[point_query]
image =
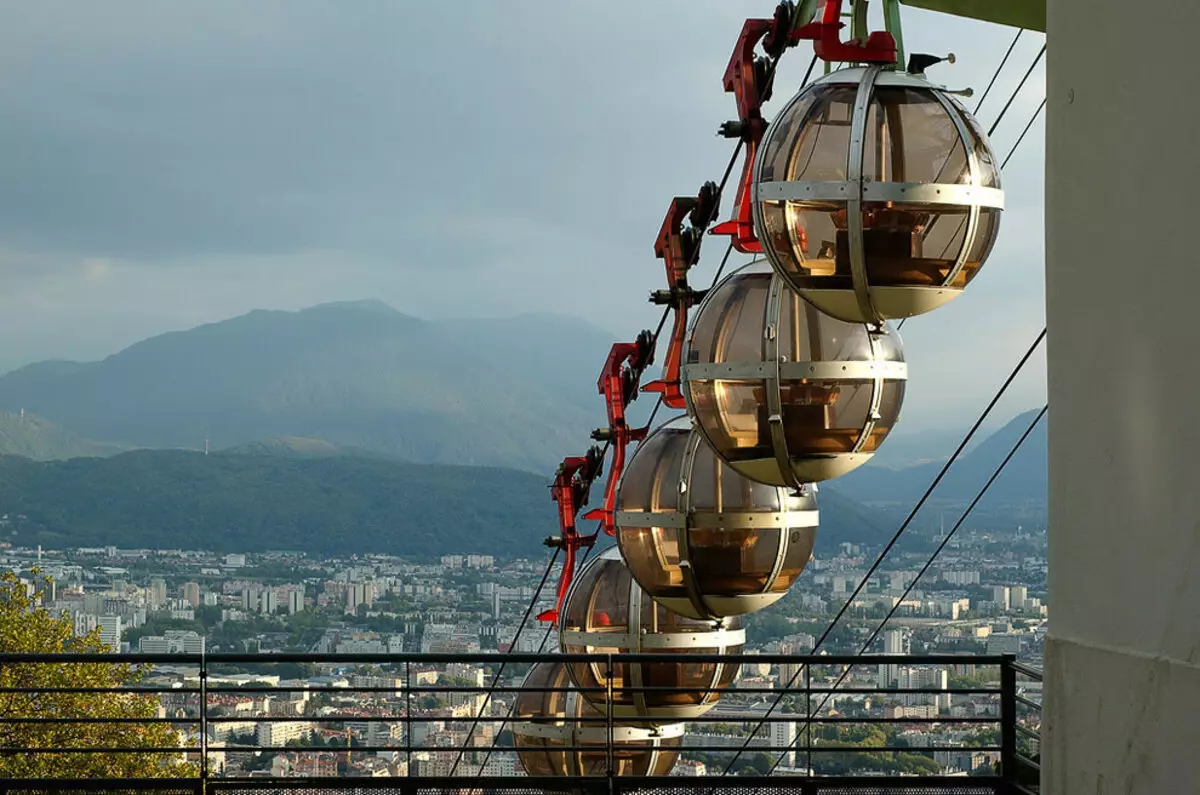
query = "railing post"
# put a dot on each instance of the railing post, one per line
(203, 721)
(1008, 722)
(408, 738)
(808, 716)
(608, 713)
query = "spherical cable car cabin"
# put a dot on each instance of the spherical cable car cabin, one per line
(782, 392)
(546, 729)
(877, 195)
(606, 611)
(703, 540)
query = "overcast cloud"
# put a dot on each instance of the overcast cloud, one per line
(164, 165)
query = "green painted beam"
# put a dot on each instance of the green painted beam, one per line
(1028, 14)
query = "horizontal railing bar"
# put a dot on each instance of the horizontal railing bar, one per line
(1031, 704)
(401, 692)
(88, 719)
(1027, 762)
(210, 660)
(1029, 733)
(816, 749)
(525, 783)
(1027, 670)
(552, 719)
(135, 690)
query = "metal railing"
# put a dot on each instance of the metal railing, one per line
(289, 722)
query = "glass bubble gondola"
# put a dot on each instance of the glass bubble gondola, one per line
(543, 743)
(782, 392)
(606, 611)
(877, 195)
(703, 540)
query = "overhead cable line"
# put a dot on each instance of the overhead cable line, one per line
(999, 69)
(875, 635)
(513, 707)
(904, 526)
(694, 258)
(895, 538)
(1021, 137)
(496, 679)
(1000, 118)
(1037, 59)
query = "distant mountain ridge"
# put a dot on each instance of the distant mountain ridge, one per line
(1023, 480)
(518, 392)
(31, 436)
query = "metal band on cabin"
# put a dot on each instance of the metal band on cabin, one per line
(854, 219)
(965, 138)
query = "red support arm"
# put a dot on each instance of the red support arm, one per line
(678, 248)
(570, 488)
(880, 46)
(746, 77)
(619, 384)
(749, 78)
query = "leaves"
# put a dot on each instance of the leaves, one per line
(25, 627)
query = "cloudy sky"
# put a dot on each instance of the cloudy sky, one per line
(165, 165)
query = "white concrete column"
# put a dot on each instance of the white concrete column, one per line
(1122, 691)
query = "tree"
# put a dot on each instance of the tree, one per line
(25, 627)
(762, 764)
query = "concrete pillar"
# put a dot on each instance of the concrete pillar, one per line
(1122, 711)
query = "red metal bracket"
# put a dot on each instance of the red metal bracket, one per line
(619, 384)
(679, 248)
(880, 46)
(570, 488)
(749, 78)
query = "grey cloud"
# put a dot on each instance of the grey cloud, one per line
(451, 159)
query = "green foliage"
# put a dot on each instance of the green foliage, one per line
(26, 627)
(328, 506)
(766, 626)
(982, 678)
(156, 624)
(331, 506)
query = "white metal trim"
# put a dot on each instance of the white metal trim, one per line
(712, 520)
(719, 638)
(854, 219)
(787, 371)
(931, 193)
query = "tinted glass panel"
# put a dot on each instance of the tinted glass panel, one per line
(729, 328)
(911, 138)
(811, 141)
(733, 415)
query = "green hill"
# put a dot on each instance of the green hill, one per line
(334, 505)
(33, 437)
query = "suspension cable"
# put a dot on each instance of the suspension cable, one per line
(513, 707)
(997, 121)
(658, 404)
(1021, 137)
(999, 69)
(496, 679)
(1017, 90)
(895, 537)
(912, 515)
(874, 635)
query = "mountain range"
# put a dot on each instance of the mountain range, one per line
(353, 427)
(1023, 480)
(517, 392)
